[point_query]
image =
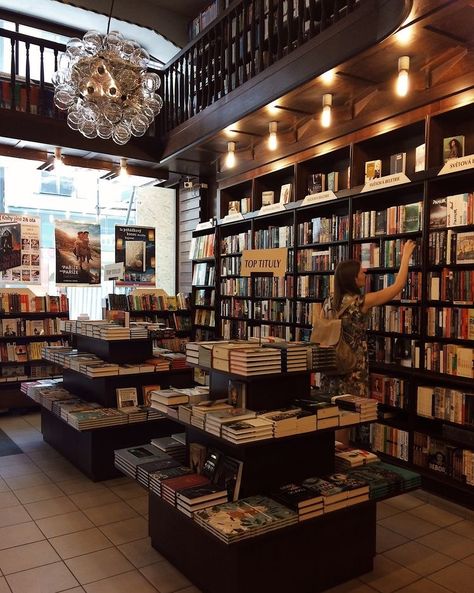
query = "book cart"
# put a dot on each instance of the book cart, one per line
(310, 556)
(92, 451)
(411, 339)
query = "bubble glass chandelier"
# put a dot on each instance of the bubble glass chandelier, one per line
(103, 84)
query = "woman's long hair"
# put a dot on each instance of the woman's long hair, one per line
(345, 280)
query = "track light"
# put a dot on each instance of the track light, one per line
(58, 161)
(230, 158)
(327, 109)
(403, 82)
(272, 136)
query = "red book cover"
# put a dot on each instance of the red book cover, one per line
(188, 481)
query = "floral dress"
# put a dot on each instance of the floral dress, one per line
(354, 326)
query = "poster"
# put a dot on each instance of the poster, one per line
(77, 253)
(20, 249)
(135, 248)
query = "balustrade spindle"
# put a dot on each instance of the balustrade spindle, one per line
(271, 32)
(261, 33)
(27, 78)
(245, 56)
(41, 99)
(13, 74)
(238, 66)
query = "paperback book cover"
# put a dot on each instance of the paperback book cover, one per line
(465, 248)
(412, 218)
(438, 213)
(268, 197)
(420, 158)
(316, 183)
(373, 169)
(398, 162)
(126, 397)
(453, 147)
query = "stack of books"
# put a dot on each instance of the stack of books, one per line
(111, 332)
(134, 413)
(215, 421)
(255, 361)
(176, 360)
(234, 521)
(99, 369)
(171, 447)
(33, 388)
(200, 410)
(246, 431)
(338, 490)
(194, 499)
(96, 418)
(307, 503)
(46, 396)
(162, 399)
(348, 457)
(127, 460)
(364, 406)
(327, 415)
(170, 488)
(160, 476)
(294, 357)
(146, 470)
(306, 422)
(284, 421)
(63, 409)
(385, 479)
(138, 331)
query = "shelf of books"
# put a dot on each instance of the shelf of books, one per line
(101, 402)
(27, 324)
(250, 492)
(365, 200)
(203, 295)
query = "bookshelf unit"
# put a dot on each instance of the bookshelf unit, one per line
(399, 338)
(92, 451)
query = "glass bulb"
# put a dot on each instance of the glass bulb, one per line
(403, 83)
(272, 141)
(326, 116)
(230, 159)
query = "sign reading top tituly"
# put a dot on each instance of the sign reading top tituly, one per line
(264, 261)
(135, 248)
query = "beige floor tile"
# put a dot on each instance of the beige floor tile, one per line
(165, 577)
(406, 502)
(99, 565)
(94, 498)
(110, 513)
(45, 579)
(118, 482)
(62, 475)
(464, 528)
(408, 525)
(27, 481)
(435, 515)
(63, 524)
(81, 542)
(450, 543)
(128, 491)
(123, 583)
(139, 504)
(384, 510)
(75, 590)
(13, 515)
(388, 576)
(27, 556)
(353, 586)
(126, 531)
(387, 539)
(469, 560)
(12, 459)
(80, 485)
(47, 453)
(8, 499)
(4, 487)
(421, 586)
(49, 508)
(16, 535)
(419, 558)
(4, 588)
(41, 492)
(458, 577)
(20, 469)
(141, 553)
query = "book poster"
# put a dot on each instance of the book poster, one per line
(77, 253)
(135, 247)
(20, 249)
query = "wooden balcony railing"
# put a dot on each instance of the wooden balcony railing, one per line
(246, 39)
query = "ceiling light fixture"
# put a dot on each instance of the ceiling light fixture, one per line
(403, 81)
(103, 84)
(328, 76)
(272, 135)
(326, 112)
(230, 158)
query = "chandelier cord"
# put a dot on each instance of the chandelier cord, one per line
(110, 16)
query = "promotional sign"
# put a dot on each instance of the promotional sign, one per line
(113, 271)
(135, 248)
(264, 261)
(19, 249)
(77, 253)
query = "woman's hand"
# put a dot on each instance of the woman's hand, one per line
(408, 249)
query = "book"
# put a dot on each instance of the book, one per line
(126, 397)
(209, 469)
(268, 198)
(465, 248)
(285, 193)
(197, 457)
(333, 181)
(237, 393)
(412, 218)
(296, 496)
(457, 210)
(146, 393)
(453, 147)
(420, 157)
(439, 213)
(229, 475)
(398, 162)
(198, 494)
(373, 169)
(316, 183)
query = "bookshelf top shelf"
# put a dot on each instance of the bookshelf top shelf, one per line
(34, 314)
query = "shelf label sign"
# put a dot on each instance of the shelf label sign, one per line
(114, 271)
(264, 261)
(233, 217)
(202, 226)
(460, 164)
(385, 181)
(271, 209)
(322, 196)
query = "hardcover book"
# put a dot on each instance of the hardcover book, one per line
(126, 397)
(412, 218)
(438, 213)
(373, 169)
(453, 147)
(296, 496)
(465, 248)
(316, 183)
(381, 222)
(333, 181)
(285, 193)
(229, 476)
(268, 197)
(146, 393)
(398, 162)
(420, 158)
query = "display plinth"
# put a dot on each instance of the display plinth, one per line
(305, 558)
(92, 451)
(117, 351)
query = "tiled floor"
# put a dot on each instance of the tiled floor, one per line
(61, 532)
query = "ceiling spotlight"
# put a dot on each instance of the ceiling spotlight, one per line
(404, 36)
(326, 112)
(230, 158)
(328, 76)
(272, 136)
(403, 82)
(58, 161)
